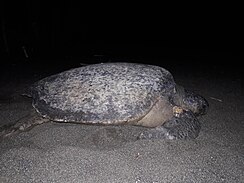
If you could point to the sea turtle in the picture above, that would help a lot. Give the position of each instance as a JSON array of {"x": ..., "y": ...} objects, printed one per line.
[{"x": 120, "y": 93}]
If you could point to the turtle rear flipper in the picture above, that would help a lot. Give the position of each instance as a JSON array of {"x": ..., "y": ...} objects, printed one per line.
[
  {"x": 23, "y": 124},
  {"x": 182, "y": 126}
]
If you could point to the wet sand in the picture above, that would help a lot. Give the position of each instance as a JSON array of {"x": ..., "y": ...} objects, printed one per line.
[{"x": 58, "y": 152}]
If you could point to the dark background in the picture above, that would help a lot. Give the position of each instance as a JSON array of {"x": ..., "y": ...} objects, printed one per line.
[{"x": 35, "y": 34}]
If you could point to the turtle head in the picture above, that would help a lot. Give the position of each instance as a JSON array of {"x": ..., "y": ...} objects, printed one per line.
[{"x": 190, "y": 101}]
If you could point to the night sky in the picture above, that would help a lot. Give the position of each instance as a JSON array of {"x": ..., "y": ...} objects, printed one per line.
[{"x": 34, "y": 34}]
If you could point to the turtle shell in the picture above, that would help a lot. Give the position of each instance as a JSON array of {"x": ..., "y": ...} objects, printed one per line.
[{"x": 106, "y": 93}]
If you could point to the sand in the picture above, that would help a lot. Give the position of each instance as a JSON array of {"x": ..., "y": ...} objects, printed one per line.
[{"x": 58, "y": 152}]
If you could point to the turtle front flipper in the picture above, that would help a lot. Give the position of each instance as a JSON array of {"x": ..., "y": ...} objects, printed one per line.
[{"x": 183, "y": 125}]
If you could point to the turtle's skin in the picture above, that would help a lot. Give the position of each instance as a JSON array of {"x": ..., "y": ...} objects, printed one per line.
[{"x": 121, "y": 93}]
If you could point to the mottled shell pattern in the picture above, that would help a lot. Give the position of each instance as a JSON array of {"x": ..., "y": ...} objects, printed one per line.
[{"x": 106, "y": 93}]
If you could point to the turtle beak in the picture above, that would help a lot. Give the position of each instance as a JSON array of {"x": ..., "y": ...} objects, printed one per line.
[
  {"x": 189, "y": 100},
  {"x": 196, "y": 103}
]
